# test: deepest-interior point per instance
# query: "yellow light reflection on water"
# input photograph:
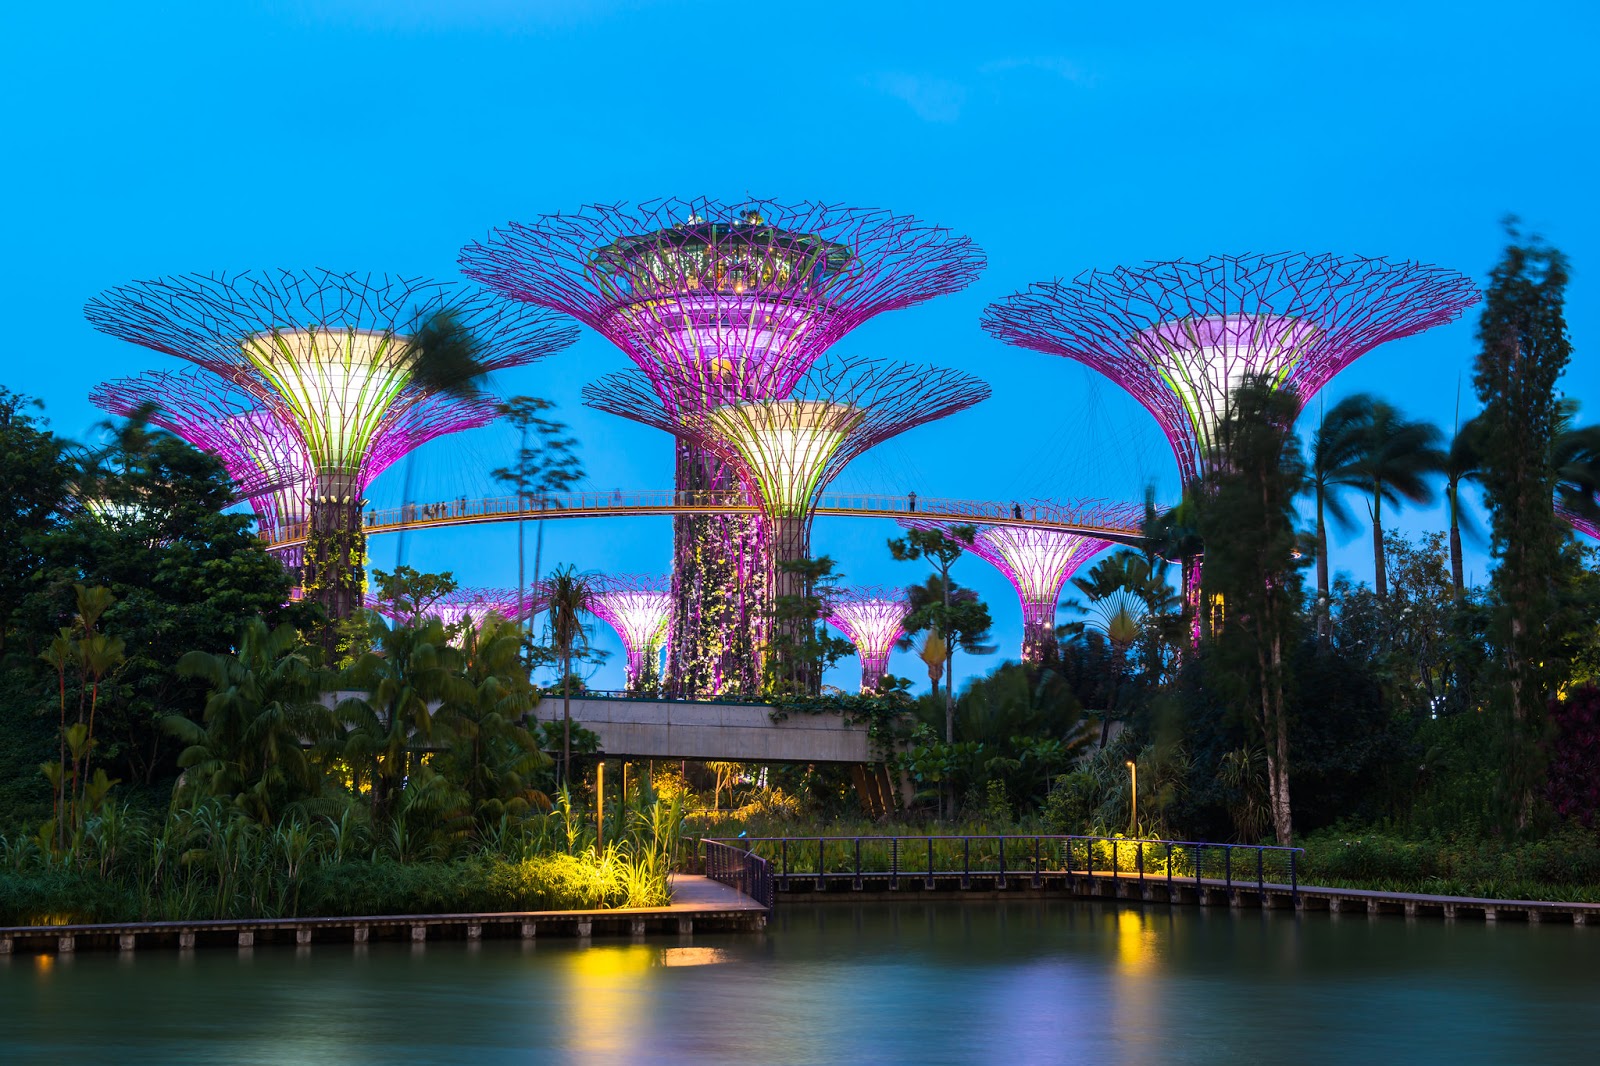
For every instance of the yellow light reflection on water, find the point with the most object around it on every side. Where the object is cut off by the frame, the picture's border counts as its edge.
(694, 956)
(604, 988)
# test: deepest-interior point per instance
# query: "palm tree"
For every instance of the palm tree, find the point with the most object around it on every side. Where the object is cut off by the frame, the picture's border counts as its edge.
(414, 669)
(447, 360)
(1393, 460)
(1334, 446)
(568, 598)
(1463, 460)
(262, 711)
(1576, 457)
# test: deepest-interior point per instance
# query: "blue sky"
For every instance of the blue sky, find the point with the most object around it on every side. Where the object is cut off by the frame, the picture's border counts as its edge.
(382, 135)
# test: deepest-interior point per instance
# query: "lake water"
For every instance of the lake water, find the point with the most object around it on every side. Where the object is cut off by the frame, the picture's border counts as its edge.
(912, 983)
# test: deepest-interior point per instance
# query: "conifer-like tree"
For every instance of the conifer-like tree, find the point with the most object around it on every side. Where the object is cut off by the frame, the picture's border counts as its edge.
(1524, 350)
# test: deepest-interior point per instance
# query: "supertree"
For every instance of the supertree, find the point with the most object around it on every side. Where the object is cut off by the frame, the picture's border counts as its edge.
(705, 295)
(639, 608)
(1180, 336)
(786, 450)
(330, 355)
(456, 606)
(1584, 523)
(872, 619)
(1037, 562)
(216, 416)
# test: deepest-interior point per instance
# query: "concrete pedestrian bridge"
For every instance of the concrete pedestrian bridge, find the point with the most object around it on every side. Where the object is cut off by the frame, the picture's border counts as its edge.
(735, 732)
(1117, 522)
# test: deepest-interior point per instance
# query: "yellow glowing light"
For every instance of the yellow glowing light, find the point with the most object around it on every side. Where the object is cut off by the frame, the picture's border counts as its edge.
(694, 956)
(337, 382)
(785, 446)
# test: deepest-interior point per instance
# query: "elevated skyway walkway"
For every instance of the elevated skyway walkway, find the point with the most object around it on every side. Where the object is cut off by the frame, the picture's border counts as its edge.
(1117, 522)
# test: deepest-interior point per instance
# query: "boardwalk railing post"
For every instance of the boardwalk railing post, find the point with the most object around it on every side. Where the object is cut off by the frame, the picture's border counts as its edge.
(1227, 865)
(783, 851)
(1294, 880)
(966, 862)
(1138, 859)
(894, 863)
(1036, 879)
(822, 865)
(856, 884)
(929, 882)
(1261, 875)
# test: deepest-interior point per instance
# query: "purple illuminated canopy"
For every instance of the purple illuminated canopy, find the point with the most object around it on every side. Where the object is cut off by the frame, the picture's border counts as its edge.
(1179, 336)
(872, 619)
(1037, 562)
(264, 456)
(639, 608)
(709, 291)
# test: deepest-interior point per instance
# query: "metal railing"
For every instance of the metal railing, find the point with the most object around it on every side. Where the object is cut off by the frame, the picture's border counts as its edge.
(821, 859)
(1113, 521)
(740, 868)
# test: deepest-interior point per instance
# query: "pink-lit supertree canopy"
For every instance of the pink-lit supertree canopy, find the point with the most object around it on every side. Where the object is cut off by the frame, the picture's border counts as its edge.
(639, 608)
(1038, 563)
(458, 605)
(707, 295)
(1580, 521)
(872, 619)
(217, 416)
(330, 355)
(786, 450)
(1179, 336)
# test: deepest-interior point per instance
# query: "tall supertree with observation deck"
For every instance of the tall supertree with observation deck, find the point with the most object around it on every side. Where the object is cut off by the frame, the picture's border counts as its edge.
(331, 355)
(786, 450)
(639, 608)
(1038, 562)
(872, 619)
(705, 295)
(1179, 336)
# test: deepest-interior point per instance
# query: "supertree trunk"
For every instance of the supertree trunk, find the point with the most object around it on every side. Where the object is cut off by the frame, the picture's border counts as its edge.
(790, 543)
(334, 571)
(718, 587)
(1038, 631)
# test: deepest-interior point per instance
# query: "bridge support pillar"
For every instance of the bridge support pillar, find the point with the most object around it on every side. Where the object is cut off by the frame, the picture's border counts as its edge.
(186, 941)
(361, 934)
(247, 938)
(66, 944)
(1489, 914)
(636, 928)
(419, 933)
(685, 926)
(474, 931)
(529, 930)
(585, 927)
(1450, 911)
(125, 942)
(1411, 909)
(302, 937)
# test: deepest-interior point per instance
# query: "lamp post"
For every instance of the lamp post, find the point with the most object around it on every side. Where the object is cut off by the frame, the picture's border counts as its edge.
(1133, 817)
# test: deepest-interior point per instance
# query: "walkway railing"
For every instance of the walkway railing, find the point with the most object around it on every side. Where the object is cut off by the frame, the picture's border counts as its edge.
(740, 868)
(821, 859)
(1113, 521)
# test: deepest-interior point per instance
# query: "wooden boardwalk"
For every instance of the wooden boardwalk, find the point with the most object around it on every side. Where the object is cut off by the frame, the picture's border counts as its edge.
(697, 902)
(799, 887)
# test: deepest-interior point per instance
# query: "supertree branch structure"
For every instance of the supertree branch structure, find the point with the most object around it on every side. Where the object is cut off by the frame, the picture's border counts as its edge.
(740, 297)
(1037, 562)
(787, 449)
(712, 291)
(263, 455)
(639, 608)
(872, 619)
(1179, 335)
(330, 354)
(457, 606)
(1578, 520)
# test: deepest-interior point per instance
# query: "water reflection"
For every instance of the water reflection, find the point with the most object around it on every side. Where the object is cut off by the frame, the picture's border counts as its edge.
(1028, 982)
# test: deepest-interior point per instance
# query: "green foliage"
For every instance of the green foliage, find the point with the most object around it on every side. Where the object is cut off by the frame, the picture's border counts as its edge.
(1251, 584)
(801, 648)
(1525, 350)
(34, 479)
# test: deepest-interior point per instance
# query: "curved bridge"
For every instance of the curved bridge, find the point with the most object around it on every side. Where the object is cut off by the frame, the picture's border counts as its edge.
(1118, 522)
